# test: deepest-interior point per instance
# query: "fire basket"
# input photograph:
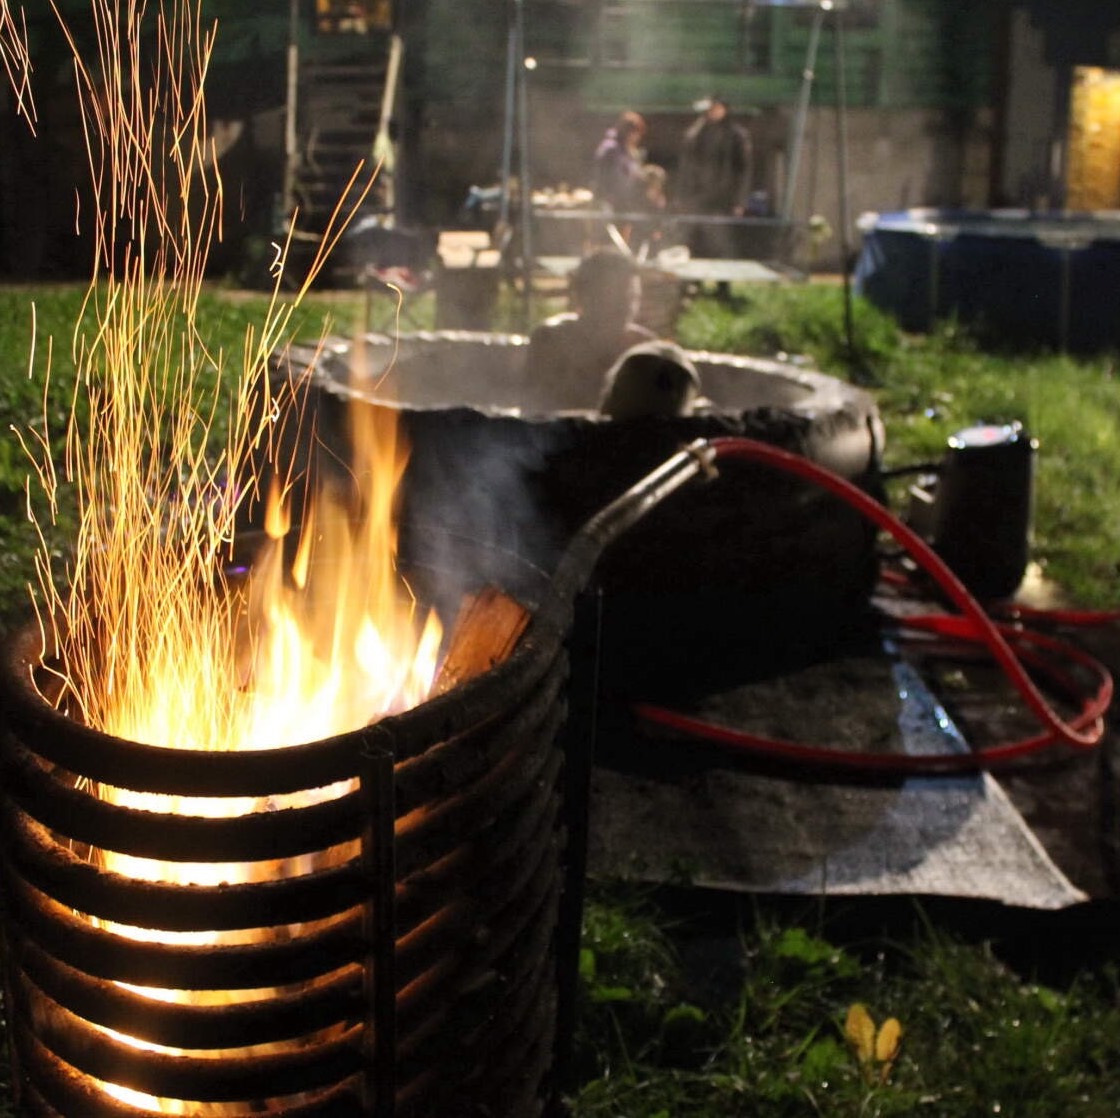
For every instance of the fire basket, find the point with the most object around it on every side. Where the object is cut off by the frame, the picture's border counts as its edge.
(420, 968)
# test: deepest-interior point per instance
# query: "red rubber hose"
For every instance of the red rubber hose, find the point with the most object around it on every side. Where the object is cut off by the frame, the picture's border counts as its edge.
(973, 626)
(1016, 611)
(1076, 617)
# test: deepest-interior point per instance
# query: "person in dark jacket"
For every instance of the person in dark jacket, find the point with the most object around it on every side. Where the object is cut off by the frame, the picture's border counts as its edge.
(714, 177)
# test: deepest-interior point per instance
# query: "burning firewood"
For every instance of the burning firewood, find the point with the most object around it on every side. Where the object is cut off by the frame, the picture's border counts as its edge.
(486, 630)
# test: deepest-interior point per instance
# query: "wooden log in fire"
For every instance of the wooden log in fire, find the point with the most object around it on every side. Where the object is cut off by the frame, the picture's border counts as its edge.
(485, 632)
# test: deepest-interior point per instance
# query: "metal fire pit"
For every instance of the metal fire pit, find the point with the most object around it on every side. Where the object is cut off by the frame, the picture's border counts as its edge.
(429, 971)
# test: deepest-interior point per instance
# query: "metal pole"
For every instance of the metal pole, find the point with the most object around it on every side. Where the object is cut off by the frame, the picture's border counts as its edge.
(934, 277)
(842, 179)
(798, 131)
(1064, 301)
(291, 152)
(384, 146)
(510, 109)
(526, 191)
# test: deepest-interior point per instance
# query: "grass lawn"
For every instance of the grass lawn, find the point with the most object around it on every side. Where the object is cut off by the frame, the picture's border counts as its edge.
(678, 1023)
(775, 1035)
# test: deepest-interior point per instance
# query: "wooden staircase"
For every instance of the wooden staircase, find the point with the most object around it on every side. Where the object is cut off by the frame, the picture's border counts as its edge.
(337, 118)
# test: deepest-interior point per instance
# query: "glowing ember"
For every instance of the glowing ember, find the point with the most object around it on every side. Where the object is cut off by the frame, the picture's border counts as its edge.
(15, 59)
(318, 647)
(155, 647)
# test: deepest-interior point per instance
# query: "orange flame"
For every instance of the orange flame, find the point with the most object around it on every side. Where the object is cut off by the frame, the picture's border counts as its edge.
(328, 642)
(343, 639)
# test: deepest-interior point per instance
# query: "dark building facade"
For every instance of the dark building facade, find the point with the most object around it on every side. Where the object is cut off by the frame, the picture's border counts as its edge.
(945, 103)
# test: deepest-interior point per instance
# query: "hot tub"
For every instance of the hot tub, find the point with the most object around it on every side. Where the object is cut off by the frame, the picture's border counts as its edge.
(492, 462)
(1023, 279)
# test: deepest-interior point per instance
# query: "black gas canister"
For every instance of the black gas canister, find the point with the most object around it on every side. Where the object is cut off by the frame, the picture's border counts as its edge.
(982, 507)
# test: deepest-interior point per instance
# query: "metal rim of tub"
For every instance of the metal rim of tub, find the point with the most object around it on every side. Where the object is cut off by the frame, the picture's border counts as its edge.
(757, 547)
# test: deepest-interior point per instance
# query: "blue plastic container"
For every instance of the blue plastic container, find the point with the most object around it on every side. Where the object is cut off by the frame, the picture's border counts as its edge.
(1034, 280)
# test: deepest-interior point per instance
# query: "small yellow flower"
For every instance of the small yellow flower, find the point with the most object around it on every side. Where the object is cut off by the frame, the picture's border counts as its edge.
(875, 1051)
(887, 1044)
(859, 1030)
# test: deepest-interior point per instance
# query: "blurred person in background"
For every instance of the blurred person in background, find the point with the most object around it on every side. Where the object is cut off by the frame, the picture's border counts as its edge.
(570, 353)
(617, 180)
(622, 181)
(714, 177)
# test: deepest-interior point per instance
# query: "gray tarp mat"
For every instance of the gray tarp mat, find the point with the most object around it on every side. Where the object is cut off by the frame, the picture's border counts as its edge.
(733, 829)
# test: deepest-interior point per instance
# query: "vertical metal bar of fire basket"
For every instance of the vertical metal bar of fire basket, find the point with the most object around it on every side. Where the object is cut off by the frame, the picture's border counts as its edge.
(578, 737)
(379, 867)
(16, 1078)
